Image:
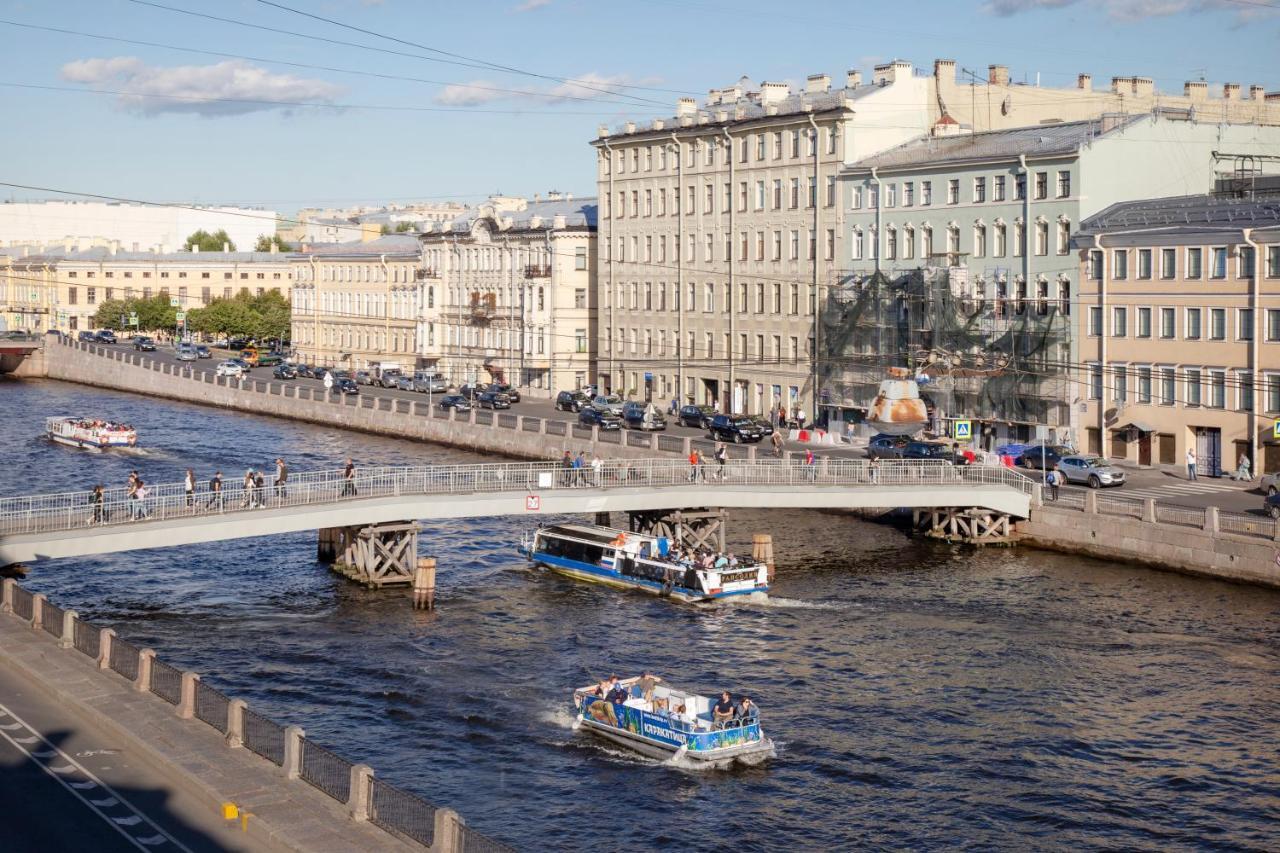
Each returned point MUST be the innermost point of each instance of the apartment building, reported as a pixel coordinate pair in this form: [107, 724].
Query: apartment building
[61, 287]
[508, 293]
[135, 227]
[355, 304]
[1180, 331]
[996, 213]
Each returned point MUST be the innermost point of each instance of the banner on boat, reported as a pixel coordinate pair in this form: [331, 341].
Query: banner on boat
[657, 727]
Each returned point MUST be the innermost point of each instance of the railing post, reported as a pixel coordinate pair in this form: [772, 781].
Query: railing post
[146, 657]
[37, 611]
[1037, 494]
[187, 703]
[519, 423]
[1091, 502]
[1211, 519]
[653, 441]
[688, 446]
[413, 408]
[293, 751]
[358, 798]
[235, 723]
[6, 595]
[68, 640]
[448, 832]
[1149, 510]
[595, 433]
[105, 638]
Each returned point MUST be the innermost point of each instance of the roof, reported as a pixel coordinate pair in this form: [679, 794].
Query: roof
[577, 213]
[390, 244]
[1185, 214]
[1036, 141]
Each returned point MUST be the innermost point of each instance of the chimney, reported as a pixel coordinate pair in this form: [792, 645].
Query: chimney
[1257, 93]
[1084, 82]
[853, 79]
[1144, 87]
[629, 127]
[226, 247]
[558, 222]
[998, 75]
[658, 124]
[816, 84]
[945, 69]
[1231, 91]
[602, 131]
[771, 93]
[1196, 90]
[713, 97]
[113, 246]
[1121, 85]
[686, 107]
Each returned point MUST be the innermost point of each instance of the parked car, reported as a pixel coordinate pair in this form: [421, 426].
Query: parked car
[927, 450]
[202, 351]
[493, 400]
[106, 336]
[735, 428]
[471, 392]
[185, 352]
[603, 418]
[346, 385]
[1272, 504]
[142, 343]
[633, 415]
[887, 446]
[404, 383]
[305, 370]
[513, 393]
[285, 371]
[1043, 456]
[456, 402]
[1270, 484]
[244, 365]
[87, 338]
[228, 368]
[608, 402]
[698, 417]
[435, 383]
[387, 379]
[363, 377]
[765, 427]
[571, 401]
[1093, 471]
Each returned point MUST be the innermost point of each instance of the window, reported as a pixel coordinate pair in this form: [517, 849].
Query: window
[1120, 264]
[909, 198]
[1095, 382]
[795, 143]
[1273, 262]
[997, 188]
[1219, 269]
[1218, 389]
[1193, 386]
[926, 193]
[71, 296]
[777, 145]
[777, 298]
[1019, 187]
[855, 199]
[1144, 384]
[794, 253]
[1019, 240]
[1144, 322]
[1246, 262]
[795, 299]
[831, 191]
[891, 195]
[777, 246]
[1095, 265]
[1119, 321]
[1273, 392]
[795, 194]
[760, 195]
[1244, 324]
[1064, 183]
[1244, 392]
[760, 298]
[1064, 237]
[759, 245]
[1193, 324]
[1194, 257]
[1273, 325]
[813, 194]
[580, 257]
[709, 297]
[742, 196]
[979, 241]
[926, 239]
[830, 252]
[1217, 324]
[1168, 263]
[1042, 238]
[777, 194]
[979, 190]
[1095, 320]
[953, 191]
[908, 242]
[760, 146]
[1144, 263]
[1042, 185]
[1168, 386]
[580, 297]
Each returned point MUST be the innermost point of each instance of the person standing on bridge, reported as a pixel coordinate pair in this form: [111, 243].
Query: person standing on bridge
[246, 488]
[349, 480]
[215, 492]
[282, 476]
[189, 486]
[96, 500]
[811, 464]
[721, 455]
[597, 470]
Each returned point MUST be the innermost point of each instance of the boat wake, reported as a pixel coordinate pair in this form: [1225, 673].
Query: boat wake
[797, 604]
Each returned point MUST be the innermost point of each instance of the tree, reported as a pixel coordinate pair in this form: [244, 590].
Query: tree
[154, 313]
[109, 314]
[207, 242]
[265, 243]
[385, 230]
[403, 227]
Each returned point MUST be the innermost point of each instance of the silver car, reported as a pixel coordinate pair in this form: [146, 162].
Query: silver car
[1270, 484]
[610, 403]
[1092, 471]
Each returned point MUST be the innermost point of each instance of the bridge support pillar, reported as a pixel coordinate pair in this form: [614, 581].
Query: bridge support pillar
[973, 526]
[377, 555]
[762, 551]
[424, 584]
[604, 518]
[689, 528]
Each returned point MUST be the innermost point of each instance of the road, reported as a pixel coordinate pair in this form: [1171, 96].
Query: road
[1165, 486]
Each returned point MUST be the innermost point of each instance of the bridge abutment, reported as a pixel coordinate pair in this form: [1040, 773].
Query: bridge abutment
[968, 525]
[376, 555]
[690, 528]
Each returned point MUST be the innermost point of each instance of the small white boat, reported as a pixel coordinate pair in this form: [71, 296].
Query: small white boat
[672, 723]
[639, 561]
[89, 433]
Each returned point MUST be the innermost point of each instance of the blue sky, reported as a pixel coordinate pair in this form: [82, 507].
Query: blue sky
[161, 140]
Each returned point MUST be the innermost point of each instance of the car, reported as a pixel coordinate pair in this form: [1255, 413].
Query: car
[185, 352]
[305, 370]
[229, 368]
[1270, 484]
[387, 379]
[434, 383]
[633, 415]
[244, 365]
[471, 392]
[698, 417]
[609, 402]
[1272, 504]
[603, 418]
[887, 446]
[1093, 471]
[1042, 456]
[106, 336]
[87, 338]
[363, 377]
[456, 402]
[927, 450]
[202, 351]
[513, 393]
[285, 371]
[735, 428]
[142, 343]
[765, 426]
[571, 401]
[493, 400]
[346, 385]
[404, 383]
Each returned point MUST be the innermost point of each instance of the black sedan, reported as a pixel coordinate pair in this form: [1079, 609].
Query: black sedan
[512, 392]
[346, 385]
[106, 336]
[591, 416]
[457, 402]
[887, 446]
[1272, 503]
[1043, 457]
[144, 344]
[696, 416]
[285, 371]
[493, 400]
[306, 370]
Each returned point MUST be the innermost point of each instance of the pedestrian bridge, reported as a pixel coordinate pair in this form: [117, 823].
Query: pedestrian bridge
[71, 525]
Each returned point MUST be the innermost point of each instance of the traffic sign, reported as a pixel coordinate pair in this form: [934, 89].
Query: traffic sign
[1275, 428]
[133, 319]
[963, 429]
[182, 316]
[532, 503]
[173, 302]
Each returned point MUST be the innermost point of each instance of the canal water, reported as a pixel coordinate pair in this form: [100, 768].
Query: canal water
[921, 696]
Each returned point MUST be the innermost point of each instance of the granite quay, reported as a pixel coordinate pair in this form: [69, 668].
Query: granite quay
[168, 728]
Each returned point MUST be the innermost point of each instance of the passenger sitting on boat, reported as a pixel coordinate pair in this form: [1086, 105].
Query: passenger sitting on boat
[664, 546]
[647, 682]
[722, 711]
[721, 562]
[746, 709]
[733, 561]
[618, 695]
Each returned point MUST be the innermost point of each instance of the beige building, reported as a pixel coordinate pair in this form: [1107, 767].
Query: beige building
[722, 225]
[507, 294]
[1180, 331]
[356, 304]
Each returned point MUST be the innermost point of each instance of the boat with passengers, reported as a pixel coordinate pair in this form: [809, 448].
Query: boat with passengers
[648, 563]
[668, 723]
[89, 433]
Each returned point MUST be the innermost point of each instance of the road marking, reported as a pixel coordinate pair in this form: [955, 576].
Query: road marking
[89, 781]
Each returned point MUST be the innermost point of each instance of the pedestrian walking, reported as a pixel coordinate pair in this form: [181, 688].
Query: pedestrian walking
[693, 465]
[702, 466]
[1055, 480]
[811, 464]
[282, 477]
[874, 469]
[189, 486]
[259, 489]
[776, 440]
[799, 418]
[328, 383]
[597, 470]
[1242, 471]
[566, 463]
[96, 499]
[674, 407]
[782, 416]
[579, 462]
[140, 493]
[246, 489]
[349, 480]
[215, 492]
[721, 456]
[1191, 464]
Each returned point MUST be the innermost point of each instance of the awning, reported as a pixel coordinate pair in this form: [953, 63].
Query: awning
[1139, 426]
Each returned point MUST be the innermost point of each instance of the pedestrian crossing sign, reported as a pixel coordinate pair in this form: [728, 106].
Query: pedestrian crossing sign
[963, 429]
[1275, 428]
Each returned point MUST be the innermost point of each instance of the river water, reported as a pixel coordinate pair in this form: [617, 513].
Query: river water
[921, 696]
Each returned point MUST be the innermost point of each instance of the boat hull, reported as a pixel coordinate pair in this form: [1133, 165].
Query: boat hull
[597, 574]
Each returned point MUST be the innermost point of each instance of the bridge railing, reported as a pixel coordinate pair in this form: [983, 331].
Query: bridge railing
[82, 509]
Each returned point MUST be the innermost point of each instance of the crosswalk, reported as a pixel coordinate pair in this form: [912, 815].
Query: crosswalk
[1183, 489]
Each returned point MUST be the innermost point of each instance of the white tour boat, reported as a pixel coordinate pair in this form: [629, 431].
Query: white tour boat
[639, 561]
[672, 723]
[89, 433]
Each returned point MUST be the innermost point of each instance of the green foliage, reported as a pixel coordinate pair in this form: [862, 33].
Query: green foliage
[207, 242]
[259, 317]
[385, 230]
[153, 314]
[403, 227]
[265, 243]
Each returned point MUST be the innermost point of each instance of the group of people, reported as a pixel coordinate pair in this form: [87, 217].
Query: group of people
[575, 469]
[137, 492]
[724, 712]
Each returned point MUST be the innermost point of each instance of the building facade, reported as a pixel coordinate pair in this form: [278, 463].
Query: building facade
[133, 227]
[508, 294]
[1180, 332]
[356, 304]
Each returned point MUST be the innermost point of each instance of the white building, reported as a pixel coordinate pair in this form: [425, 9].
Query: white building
[131, 227]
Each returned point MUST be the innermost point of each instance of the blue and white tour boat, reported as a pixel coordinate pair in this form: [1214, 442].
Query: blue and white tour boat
[651, 564]
[671, 724]
[90, 434]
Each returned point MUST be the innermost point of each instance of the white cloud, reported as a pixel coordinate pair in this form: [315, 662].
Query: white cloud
[587, 85]
[1132, 10]
[225, 88]
[471, 94]
[530, 5]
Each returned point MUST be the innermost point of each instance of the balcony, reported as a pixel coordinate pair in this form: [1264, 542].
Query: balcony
[425, 274]
[537, 272]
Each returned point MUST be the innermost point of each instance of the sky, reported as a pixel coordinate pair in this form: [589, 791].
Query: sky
[463, 100]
